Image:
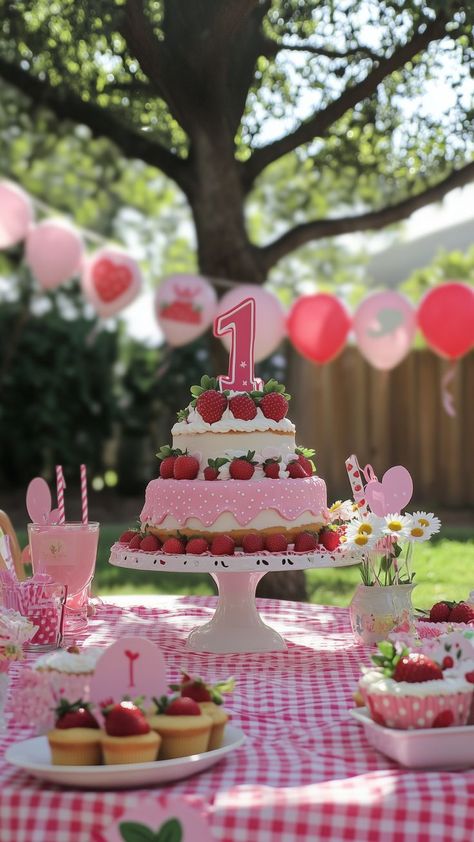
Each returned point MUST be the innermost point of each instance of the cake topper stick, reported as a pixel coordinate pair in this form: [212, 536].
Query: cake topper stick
[239, 321]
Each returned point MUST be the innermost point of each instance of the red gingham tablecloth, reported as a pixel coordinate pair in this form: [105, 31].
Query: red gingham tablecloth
[305, 771]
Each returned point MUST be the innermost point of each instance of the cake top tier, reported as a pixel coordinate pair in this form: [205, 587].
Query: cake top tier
[225, 411]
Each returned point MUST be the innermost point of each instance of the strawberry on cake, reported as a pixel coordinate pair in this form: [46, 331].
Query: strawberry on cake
[128, 737]
[209, 698]
[75, 739]
[233, 477]
[183, 728]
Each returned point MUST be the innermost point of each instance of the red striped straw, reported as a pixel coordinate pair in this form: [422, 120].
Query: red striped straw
[85, 512]
[60, 486]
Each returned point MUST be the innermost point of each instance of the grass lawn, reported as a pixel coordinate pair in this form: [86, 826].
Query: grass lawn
[444, 570]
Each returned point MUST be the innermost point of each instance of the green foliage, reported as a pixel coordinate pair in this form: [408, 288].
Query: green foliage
[170, 831]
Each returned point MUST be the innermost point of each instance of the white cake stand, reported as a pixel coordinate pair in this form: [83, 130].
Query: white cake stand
[236, 625]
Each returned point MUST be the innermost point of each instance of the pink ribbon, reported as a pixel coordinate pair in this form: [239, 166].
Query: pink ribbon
[446, 396]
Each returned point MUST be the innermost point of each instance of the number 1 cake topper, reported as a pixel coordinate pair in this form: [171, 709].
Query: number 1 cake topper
[240, 322]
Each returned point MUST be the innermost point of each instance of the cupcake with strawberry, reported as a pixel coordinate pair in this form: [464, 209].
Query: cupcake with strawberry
[183, 728]
[409, 690]
[209, 697]
[128, 737]
[75, 740]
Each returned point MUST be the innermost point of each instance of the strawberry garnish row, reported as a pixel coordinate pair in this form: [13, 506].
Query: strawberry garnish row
[178, 465]
[328, 538]
[211, 403]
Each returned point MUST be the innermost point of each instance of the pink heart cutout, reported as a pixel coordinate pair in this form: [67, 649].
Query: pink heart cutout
[392, 494]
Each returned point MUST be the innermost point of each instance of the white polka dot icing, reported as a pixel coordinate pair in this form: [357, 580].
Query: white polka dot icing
[183, 499]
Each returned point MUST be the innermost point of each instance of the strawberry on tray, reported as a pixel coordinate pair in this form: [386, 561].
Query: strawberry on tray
[448, 612]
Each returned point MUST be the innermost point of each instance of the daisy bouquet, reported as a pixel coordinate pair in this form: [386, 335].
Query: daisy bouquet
[387, 544]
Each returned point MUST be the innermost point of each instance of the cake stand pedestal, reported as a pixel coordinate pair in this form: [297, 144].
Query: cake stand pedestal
[236, 622]
[236, 625]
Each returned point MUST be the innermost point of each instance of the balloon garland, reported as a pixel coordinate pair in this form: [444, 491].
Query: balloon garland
[384, 324]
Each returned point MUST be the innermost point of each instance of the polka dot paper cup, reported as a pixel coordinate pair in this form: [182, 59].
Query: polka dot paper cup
[413, 706]
[45, 608]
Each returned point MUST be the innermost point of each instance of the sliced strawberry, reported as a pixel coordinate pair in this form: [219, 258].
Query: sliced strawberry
[150, 544]
[242, 406]
[306, 464]
[295, 470]
[76, 715]
[183, 706]
[223, 545]
[197, 546]
[252, 543]
[135, 542]
[276, 543]
[186, 467]
[415, 668]
[127, 536]
[305, 542]
[125, 720]
[173, 546]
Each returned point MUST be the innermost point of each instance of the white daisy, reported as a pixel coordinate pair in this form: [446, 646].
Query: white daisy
[396, 525]
[428, 522]
[364, 533]
[341, 510]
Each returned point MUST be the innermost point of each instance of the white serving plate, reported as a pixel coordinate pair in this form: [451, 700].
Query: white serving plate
[34, 757]
[423, 748]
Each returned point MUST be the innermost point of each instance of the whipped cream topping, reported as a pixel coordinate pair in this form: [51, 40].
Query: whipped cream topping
[70, 662]
[453, 683]
[229, 424]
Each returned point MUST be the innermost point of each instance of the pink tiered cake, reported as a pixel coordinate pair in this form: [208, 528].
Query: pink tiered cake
[234, 469]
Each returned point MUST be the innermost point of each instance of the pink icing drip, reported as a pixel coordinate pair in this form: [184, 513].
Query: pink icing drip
[183, 499]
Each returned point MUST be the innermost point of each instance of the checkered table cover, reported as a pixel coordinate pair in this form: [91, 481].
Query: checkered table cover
[305, 771]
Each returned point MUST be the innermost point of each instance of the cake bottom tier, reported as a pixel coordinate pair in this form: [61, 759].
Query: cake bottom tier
[234, 507]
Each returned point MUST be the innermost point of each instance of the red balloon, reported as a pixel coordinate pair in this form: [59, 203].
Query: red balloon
[318, 326]
[446, 319]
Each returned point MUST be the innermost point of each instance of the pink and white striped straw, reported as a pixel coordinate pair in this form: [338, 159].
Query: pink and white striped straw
[85, 510]
[60, 486]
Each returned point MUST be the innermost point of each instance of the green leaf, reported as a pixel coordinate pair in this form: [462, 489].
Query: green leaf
[136, 832]
[196, 391]
[170, 831]
[387, 649]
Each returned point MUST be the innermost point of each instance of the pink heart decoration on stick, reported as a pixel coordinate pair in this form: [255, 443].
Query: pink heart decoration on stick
[38, 500]
[392, 494]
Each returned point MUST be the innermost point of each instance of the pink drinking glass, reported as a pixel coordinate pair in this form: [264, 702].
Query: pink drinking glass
[68, 552]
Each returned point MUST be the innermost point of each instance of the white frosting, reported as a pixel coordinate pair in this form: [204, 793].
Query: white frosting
[211, 445]
[422, 689]
[70, 662]
[229, 424]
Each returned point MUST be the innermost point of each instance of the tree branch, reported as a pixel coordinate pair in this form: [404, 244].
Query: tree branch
[373, 220]
[69, 106]
[271, 48]
[321, 120]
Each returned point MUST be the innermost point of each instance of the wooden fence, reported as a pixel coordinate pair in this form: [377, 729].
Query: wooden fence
[388, 418]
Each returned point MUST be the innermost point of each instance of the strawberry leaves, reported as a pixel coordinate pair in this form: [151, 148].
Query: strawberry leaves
[170, 831]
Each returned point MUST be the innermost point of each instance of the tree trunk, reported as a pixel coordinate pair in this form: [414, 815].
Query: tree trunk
[225, 251]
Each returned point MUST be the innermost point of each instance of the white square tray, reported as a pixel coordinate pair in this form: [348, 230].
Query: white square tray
[423, 748]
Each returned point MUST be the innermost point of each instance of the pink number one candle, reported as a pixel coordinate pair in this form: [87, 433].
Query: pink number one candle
[239, 321]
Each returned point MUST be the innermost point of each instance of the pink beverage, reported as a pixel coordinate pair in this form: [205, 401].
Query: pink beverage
[67, 552]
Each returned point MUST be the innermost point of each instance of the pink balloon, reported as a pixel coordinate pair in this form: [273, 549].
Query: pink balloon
[392, 494]
[446, 319]
[16, 214]
[384, 326]
[38, 500]
[111, 279]
[318, 326]
[54, 252]
[269, 317]
[185, 308]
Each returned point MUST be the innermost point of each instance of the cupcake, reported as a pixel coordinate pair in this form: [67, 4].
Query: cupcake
[183, 728]
[209, 699]
[128, 737]
[75, 741]
[69, 671]
[409, 690]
